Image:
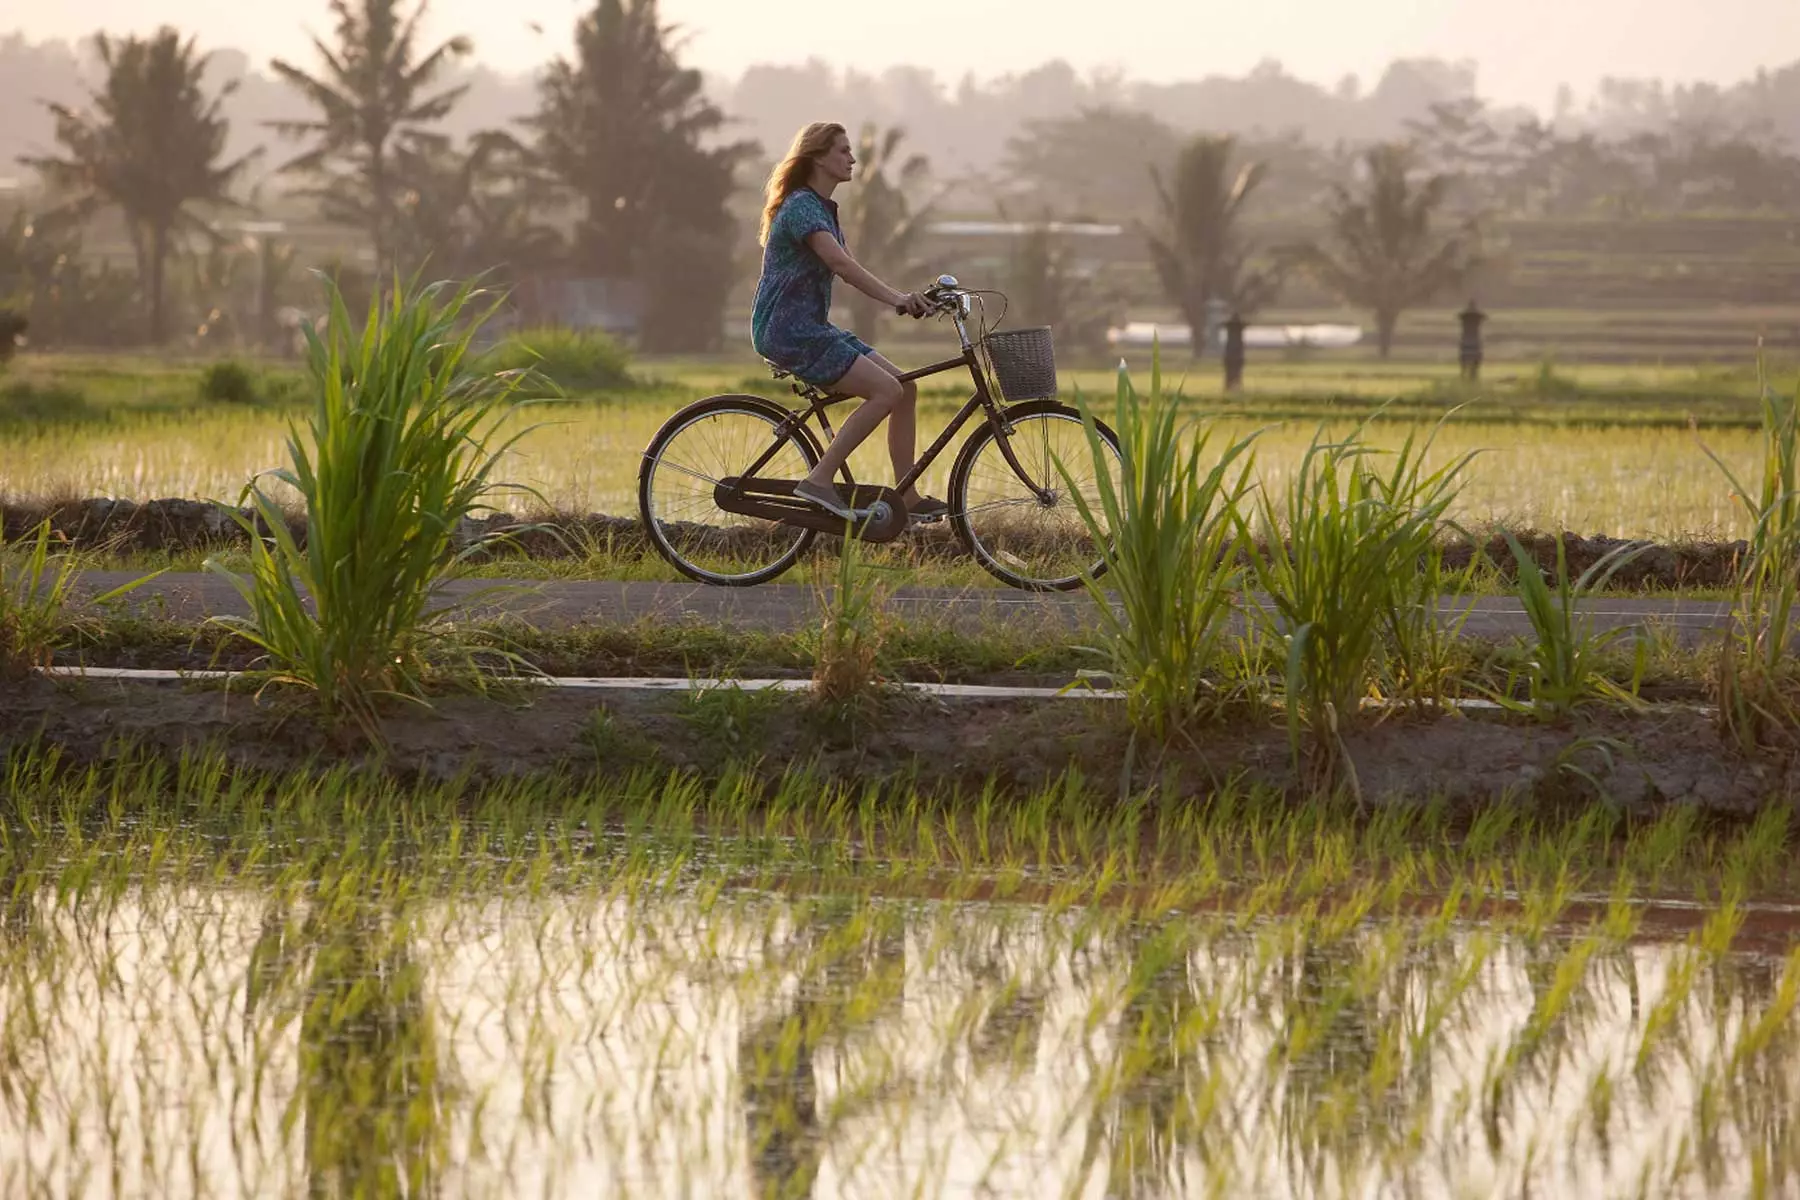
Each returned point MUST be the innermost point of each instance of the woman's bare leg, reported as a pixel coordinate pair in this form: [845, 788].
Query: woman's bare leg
[881, 393]
[903, 426]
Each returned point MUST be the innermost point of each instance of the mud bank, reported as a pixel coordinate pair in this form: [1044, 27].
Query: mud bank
[1639, 761]
[182, 526]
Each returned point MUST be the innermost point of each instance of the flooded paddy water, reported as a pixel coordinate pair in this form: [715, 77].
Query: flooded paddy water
[214, 983]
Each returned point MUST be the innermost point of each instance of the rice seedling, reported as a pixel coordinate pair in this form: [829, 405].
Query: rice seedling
[401, 452]
[1172, 537]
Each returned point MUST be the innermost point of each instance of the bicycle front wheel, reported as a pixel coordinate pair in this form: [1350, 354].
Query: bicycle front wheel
[700, 445]
[1030, 538]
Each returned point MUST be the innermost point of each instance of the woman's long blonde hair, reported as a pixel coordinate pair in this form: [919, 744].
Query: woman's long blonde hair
[791, 173]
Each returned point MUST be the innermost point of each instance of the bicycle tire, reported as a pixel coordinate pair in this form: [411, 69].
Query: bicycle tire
[997, 558]
[785, 543]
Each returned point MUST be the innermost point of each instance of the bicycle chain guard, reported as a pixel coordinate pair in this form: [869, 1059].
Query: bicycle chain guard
[774, 500]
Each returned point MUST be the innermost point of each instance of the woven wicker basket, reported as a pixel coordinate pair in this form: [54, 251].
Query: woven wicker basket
[1024, 363]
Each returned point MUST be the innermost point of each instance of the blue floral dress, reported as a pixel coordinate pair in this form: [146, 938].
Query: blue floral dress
[790, 322]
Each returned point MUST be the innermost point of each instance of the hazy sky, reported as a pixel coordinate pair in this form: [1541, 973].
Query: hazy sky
[1524, 47]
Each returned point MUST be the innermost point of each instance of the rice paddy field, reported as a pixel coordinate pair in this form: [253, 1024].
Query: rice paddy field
[219, 983]
[1594, 450]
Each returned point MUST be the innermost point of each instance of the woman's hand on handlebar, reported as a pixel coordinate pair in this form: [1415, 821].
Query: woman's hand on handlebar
[914, 305]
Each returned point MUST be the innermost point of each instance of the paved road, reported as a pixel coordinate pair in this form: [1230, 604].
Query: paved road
[190, 597]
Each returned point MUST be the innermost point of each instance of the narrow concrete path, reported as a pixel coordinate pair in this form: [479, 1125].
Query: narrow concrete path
[779, 607]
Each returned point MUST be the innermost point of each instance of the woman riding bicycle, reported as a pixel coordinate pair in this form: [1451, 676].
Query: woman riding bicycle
[803, 252]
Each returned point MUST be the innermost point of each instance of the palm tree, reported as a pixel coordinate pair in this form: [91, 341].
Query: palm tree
[880, 224]
[371, 98]
[1387, 257]
[1199, 256]
[629, 132]
[475, 211]
[150, 147]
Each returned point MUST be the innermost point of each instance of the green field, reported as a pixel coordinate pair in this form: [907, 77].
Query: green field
[1596, 450]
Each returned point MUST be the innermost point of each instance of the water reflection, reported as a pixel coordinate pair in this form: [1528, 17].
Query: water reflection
[347, 1042]
[369, 1085]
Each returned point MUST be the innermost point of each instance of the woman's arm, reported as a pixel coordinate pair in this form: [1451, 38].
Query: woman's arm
[845, 267]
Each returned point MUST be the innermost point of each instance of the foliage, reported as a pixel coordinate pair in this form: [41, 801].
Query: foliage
[150, 147]
[483, 211]
[1384, 254]
[1095, 163]
[630, 133]
[1426, 659]
[575, 360]
[847, 669]
[401, 453]
[1045, 286]
[372, 102]
[37, 586]
[1200, 257]
[236, 292]
[881, 224]
[67, 300]
[1173, 535]
[1757, 693]
[12, 332]
[228, 381]
[1564, 669]
[1334, 558]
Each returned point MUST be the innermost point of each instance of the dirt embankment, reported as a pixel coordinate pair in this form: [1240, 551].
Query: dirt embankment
[1639, 761]
[125, 526]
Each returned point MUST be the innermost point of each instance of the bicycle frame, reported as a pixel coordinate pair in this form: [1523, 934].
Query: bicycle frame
[983, 399]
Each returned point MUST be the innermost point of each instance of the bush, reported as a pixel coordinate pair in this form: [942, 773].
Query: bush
[12, 327]
[228, 382]
[574, 360]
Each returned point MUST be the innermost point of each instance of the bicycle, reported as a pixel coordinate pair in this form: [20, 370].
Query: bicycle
[715, 488]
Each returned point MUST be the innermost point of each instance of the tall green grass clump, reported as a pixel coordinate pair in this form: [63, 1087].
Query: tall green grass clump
[1336, 555]
[400, 450]
[1756, 692]
[1565, 665]
[1172, 536]
[37, 591]
[846, 668]
[575, 360]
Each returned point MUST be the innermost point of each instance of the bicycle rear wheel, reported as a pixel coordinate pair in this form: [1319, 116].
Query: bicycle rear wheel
[1038, 543]
[700, 445]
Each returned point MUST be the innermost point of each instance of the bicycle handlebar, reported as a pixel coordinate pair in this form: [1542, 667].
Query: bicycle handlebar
[938, 299]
